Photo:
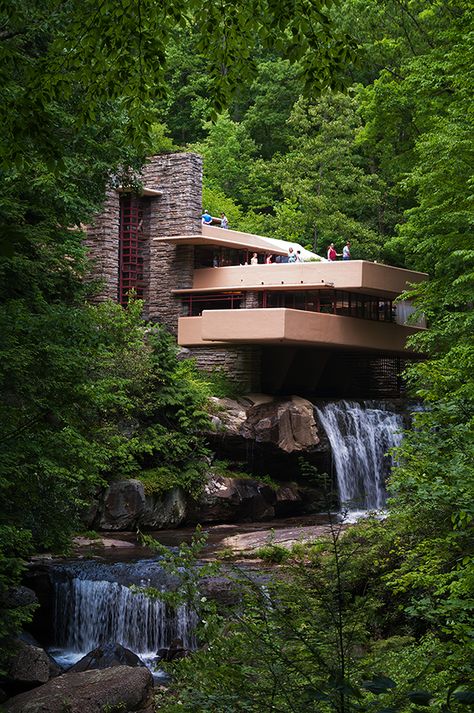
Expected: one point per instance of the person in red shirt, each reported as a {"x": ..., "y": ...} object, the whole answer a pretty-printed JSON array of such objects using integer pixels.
[{"x": 332, "y": 254}]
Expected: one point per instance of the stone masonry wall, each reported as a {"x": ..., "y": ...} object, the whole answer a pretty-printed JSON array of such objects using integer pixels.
[
  {"x": 102, "y": 242},
  {"x": 242, "y": 364},
  {"x": 176, "y": 212}
]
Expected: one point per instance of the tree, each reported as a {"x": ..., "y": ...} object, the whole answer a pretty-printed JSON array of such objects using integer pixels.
[
  {"x": 89, "y": 52},
  {"x": 326, "y": 176},
  {"x": 228, "y": 151},
  {"x": 273, "y": 93}
]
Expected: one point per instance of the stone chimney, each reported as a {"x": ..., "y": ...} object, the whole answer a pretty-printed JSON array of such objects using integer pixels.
[{"x": 175, "y": 210}]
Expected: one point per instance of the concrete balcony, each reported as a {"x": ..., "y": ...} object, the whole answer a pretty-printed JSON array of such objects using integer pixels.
[
  {"x": 289, "y": 327},
  {"x": 354, "y": 276}
]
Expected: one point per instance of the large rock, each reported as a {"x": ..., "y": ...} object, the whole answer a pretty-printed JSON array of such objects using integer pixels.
[
  {"x": 226, "y": 499},
  {"x": 122, "y": 505},
  {"x": 106, "y": 656},
  {"x": 229, "y": 415},
  {"x": 21, "y": 596},
  {"x": 164, "y": 510},
  {"x": 122, "y": 688},
  {"x": 126, "y": 506},
  {"x": 233, "y": 499},
  {"x": 30, "y": 665},
  {"x": 288, "y": 424}
]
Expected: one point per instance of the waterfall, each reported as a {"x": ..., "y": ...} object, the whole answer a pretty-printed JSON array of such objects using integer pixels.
[
  {"x": 360, "y": 435},
  {"x": 92, "y": 608}
]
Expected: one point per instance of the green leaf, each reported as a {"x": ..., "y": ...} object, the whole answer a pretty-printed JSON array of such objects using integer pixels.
[{"x": 420, "y": 698}]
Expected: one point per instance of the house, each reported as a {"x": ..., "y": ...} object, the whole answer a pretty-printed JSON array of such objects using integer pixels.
[{"x": 314, "y": 327}]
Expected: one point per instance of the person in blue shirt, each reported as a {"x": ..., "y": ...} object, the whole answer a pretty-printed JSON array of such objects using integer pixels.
[
  {"x": 206, "y": 218},
  {"x": 291, "y": 255}
]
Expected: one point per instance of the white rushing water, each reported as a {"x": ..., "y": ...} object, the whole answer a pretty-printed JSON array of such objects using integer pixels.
[
  {"x": 361, "y": 434},
  {"x": 91, "y": 610}
]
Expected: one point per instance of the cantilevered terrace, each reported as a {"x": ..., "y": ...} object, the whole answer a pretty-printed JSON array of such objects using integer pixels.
[{"x": 335, "y": 305}]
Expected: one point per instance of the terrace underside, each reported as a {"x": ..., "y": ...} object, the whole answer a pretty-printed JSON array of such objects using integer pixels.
[
  {"x": 307, "y": 353},
  {"x": 326, "y": 373}
]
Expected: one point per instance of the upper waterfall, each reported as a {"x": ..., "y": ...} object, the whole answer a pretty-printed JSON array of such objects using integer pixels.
[{"x": 361, "y": 434}]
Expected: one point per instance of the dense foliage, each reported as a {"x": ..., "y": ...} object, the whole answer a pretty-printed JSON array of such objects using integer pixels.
[{"x": 327, "y": 631}]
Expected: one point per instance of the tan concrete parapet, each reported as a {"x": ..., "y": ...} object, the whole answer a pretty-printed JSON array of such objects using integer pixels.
[
  {"x": 293, "y": 327},
  {"x": 222, "y": 237},
  {"x": 355, "y": 275}
]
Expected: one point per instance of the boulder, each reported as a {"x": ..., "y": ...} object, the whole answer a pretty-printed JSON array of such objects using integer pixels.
[
  {"x": 174, "y": 651},
  {"x": 229, "y": 415},
  {"x": 30, "y": 665},
  {"x": 107, "y": 656},
  {"x": 164, "y": 510},
  {"x": 121, "y": 688},
  {"x": 227, "y": 499},
  {"x": 289, "y": 424},
  {"x": 125, "y": 506},
  {"x": 21, "y": 597},
  {"x": 122, "y": 505},
  {"x": 233, "y": 499}
]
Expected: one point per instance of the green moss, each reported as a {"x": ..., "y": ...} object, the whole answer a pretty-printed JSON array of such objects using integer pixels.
[
  {"x": 161, "y": 479},
  {"x": 230, "y": 469}
]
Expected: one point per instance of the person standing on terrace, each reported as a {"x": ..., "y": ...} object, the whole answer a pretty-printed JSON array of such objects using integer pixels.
[
  {"x": 254, "y": 259},
  {"x": 291, "y": 255},
  {"x": 332, "y": 254},
  {"x": 206, "y": 218},
  {"x": 224, "y": 221}
]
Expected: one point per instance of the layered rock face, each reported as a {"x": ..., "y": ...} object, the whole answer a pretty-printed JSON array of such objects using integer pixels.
[
  {"x": 288, "y": 424},
  {"x": 286, "y": 428},
  {"x": 125, "y": 506}
]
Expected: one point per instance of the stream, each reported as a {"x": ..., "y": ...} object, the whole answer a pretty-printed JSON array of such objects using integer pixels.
[{"x": 94, "y": 600}]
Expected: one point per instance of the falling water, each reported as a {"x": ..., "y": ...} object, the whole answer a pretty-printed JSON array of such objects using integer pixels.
[
  {"x": 361, "y": 434},
  {"x": 91, "y": 609}
]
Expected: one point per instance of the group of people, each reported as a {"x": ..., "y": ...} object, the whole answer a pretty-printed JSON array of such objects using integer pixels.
[
  {"x": 293, "y": 256},
  {"x": 346, "y": 252},
  {"x": 207, "y": 219}
]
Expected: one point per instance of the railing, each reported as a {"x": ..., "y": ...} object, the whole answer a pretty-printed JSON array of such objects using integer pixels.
[
  {"x": 323, "y": 301},
  {"x": 193, "y": 305}
]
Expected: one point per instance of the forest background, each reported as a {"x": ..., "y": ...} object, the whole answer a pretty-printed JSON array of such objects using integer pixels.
[{"x": 88, "y": 90}]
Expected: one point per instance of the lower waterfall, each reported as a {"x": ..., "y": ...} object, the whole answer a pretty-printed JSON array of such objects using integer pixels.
[
  {"x": 95, "y": 605},
  {"x": 360, "y": 435}
]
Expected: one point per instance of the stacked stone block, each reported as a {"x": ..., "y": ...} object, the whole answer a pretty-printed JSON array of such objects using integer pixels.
[
  {"x": 102, "y": 242},
  {"x": 176, "y": 212},
  {"x": 241, "y": 363}
]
